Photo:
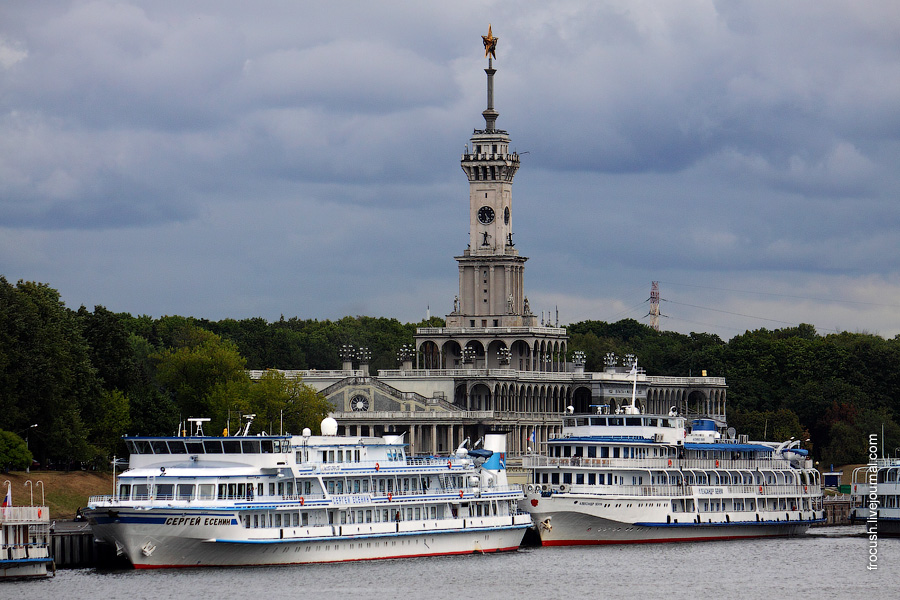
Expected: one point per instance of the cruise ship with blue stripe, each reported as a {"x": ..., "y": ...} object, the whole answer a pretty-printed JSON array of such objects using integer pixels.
[
  {"x": 628, "y": 477},
  {"x": 197, "y": 500}
]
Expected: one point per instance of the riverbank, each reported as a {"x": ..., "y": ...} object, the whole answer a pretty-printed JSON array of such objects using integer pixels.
[{"x": 63, "y": 492}]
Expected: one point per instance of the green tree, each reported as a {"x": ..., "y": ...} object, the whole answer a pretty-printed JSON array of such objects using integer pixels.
[
  {"x": 46, "y": 376},
  {"x": 14, "y": 454},
  {"x": 280, "y": 404},
  {"x": 190, "y": 372}
]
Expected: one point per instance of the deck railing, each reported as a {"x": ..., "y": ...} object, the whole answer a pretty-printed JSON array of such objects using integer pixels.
[
  {"x": 533, "y": 460},
  {"x": 691, "y": 491}
]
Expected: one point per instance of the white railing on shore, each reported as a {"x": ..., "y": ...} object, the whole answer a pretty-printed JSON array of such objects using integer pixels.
[
  {"x": 490, "y": 330},
  {"x": 665, "y": 380},
  {"x": 24, "y": 514},
  {"x": 532, "y": 418}
]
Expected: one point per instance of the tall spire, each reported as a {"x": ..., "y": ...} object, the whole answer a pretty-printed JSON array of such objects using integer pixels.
[{"x": 490, "y": 52}]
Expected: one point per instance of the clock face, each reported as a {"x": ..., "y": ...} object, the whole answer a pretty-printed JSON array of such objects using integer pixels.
[
  {"x": 359, "y": 403},
  {"x": 506, "y": 216},
  {"x": 485, "y": 215}
]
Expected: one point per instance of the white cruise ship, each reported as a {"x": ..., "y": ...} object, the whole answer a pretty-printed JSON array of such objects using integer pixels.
[
  {"x": 631, "y": 477},
  {"x": 265, "y": 500},
  {"x": 881, "y": 506}
]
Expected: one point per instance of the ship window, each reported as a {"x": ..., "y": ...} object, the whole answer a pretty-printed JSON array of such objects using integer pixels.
[
  {"x": 365, "y": 485},
  {"x": 592, "y": 451},
  {"x": 205, "y": 491},
  {"x": 277, "y": 519},
  {"x": 617, "y": 421},
  {"x": 601, "y": 478},
  {"x": 567, "y": 451},
  {"x": 177, "y": 447},
  {"x": 633, "y": 421},
  {"x": 290, "y": 488},
  {"x": 592, "y": 478},
  {"x": 231, "y": 446},
  {"x": 567, "y": 478},
  {"x": 604, "y": 451},
  {"x": 266, "y": 446},
  {"x": 194, "y": 447},
  {"x": 212, "y": 446},
  {"x": 579, "y": 478},
  {"x": 601, "y": 421},
  {"x": 133, "y": 448},
  {"x": 159, "y": 447},
  {"x": 299, "y": 456},
  {"x": 554, "y": 478},
  {"x": 579, "y": 451},
  {"x": 185, "y": 491},
  {"x": 616, "y": 451},
  {"x": 250, "y": 446},
  {"x": 124, "y": 491},
  {"x": 164, "y": 490}
]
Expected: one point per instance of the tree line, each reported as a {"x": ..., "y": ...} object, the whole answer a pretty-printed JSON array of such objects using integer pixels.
[{"x": 72, "y": 382}]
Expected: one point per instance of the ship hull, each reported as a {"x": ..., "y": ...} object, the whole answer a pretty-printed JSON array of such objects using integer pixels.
[
  {"x": 162, "y": 540},
  {"x": 573, "y": 522}
]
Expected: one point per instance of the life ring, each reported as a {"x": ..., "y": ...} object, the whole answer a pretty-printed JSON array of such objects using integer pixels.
[
  {"x": 760, "y": 489},
  {"x": 717, "y": 464},
  {"x": 804, "y": 491},
  {"x": 449, "y": 464},
  {"x": 39, "y": 512},
  {"x": 460, "y": 493},
  {"x": 377, "y": 466},
  {"x": 390, "y": 497},
  {"x": 302, "y": 501},
  {"x": 670, "y": 462}
]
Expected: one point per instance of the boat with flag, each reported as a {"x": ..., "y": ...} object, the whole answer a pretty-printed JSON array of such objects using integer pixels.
[{"x": 24, "y": 538}]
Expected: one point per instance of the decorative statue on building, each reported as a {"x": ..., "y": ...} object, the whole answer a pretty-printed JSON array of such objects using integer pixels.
[
  {"x": 490, "y": 44},
  {"x": 527, "y": 310},
  {"x": 509, "y": 304},
  {"x": 486, "y": 236},
  {"x": 456, "y": 304}
]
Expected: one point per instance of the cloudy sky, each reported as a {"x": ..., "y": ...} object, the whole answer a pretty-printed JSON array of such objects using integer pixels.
[{"x": 233, "y": 159}]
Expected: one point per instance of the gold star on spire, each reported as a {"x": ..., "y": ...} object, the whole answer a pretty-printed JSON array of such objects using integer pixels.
[{"x": 490, "y": 44}]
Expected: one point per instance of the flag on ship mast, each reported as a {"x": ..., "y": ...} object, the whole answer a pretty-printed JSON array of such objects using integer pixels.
[{"x": 7, "y": 500}]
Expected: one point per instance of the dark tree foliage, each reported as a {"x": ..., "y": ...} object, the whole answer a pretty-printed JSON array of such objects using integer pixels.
[{"x": 84, "y": 377}]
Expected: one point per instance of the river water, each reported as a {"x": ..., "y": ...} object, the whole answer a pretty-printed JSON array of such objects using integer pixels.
[{"x": 826, "y": 563}]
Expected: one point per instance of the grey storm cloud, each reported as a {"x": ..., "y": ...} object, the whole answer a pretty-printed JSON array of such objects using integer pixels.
[{"x": 228, "y": 160}]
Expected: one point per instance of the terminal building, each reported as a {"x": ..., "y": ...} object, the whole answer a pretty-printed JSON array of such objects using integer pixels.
[{"x": 494, "y": 366}]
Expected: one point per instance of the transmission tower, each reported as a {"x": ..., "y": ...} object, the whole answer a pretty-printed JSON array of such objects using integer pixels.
[{"x": 654, "y": 306}]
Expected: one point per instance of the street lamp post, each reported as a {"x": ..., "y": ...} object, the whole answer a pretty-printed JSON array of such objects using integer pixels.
[{"x": 27, "y": 433}]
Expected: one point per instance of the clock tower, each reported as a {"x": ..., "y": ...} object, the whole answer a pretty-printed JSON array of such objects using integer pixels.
[{"x": 491, "y": 272}]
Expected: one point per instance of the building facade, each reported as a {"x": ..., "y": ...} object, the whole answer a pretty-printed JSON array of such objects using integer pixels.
[{"x": 493, "y": 366}]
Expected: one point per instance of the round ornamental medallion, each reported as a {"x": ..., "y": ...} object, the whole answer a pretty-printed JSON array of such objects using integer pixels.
[{"x": 359, "y": 403}]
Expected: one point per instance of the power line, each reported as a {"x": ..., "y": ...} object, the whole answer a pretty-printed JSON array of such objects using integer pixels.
[
  {"x": 706, "y": 287},
  {"x": 737, "y": 314}
]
